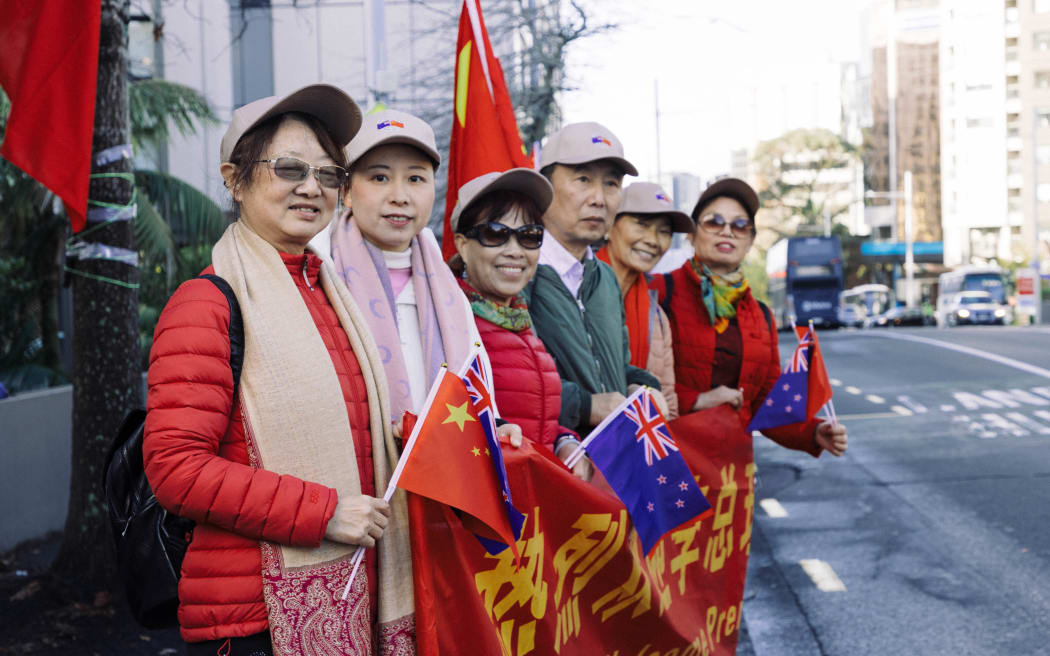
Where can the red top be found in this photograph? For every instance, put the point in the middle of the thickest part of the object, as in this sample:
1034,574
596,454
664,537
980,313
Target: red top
526,383
197,460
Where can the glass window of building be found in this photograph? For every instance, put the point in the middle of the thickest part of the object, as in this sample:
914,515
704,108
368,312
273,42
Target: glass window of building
1041,6
1042,79
1041,41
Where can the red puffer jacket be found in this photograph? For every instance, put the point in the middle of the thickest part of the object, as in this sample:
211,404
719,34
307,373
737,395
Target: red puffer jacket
694,349
526,383
197,459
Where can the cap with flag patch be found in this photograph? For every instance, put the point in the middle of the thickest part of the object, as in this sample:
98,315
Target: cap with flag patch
649,199
582,143
390,126
525,181
338,111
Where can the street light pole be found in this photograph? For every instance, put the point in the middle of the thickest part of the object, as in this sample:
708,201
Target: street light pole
909,243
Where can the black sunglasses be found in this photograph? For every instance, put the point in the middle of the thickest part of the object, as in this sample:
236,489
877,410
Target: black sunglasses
714,223
492,234
296,170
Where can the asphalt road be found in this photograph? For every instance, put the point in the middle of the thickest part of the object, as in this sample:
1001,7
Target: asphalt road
932,534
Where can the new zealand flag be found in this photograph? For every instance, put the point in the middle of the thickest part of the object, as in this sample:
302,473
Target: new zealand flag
637,454
480,391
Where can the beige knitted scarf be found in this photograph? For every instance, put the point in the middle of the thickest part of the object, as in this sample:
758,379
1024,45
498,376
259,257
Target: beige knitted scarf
296,424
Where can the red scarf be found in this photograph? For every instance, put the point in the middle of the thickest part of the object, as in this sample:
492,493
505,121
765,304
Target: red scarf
636,306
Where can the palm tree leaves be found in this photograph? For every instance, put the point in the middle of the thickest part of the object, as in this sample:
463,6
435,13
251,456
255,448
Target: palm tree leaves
156,105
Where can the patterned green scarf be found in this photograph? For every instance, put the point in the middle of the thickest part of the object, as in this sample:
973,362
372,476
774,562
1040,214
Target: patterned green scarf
514,317
720,293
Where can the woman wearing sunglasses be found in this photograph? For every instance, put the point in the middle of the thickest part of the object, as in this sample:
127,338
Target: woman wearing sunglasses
281,469
726,362
496,222
641,234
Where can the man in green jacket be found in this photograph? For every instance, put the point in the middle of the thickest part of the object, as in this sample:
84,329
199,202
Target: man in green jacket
574,299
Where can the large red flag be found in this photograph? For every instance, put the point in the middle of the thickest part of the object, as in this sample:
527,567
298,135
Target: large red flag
819,390
447,459
485,135
49,69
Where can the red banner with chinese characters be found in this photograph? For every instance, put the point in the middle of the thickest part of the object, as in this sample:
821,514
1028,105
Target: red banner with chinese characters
584,586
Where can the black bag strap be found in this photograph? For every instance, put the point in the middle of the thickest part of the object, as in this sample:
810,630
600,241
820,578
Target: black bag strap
668,288
236,327
769,315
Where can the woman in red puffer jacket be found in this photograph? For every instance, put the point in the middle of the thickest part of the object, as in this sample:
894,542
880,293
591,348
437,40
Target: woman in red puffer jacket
498,233
280,475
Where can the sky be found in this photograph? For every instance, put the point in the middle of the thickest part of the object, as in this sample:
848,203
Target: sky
729,73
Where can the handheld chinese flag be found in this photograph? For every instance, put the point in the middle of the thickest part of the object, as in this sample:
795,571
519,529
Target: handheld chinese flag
448,458
800,391
635,451
49,70
485,134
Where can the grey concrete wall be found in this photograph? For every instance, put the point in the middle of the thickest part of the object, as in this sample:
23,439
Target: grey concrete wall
35,439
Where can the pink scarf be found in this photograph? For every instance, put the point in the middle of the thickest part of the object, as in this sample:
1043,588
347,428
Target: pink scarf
444,317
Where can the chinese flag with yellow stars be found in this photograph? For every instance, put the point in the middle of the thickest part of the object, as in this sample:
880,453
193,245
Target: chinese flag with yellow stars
447,459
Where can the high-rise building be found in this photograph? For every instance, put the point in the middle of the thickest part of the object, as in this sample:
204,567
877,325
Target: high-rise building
908,30
975,219
1027,46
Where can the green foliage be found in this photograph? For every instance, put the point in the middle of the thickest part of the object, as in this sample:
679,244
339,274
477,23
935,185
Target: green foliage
22,357
175,227
754,269
789,169
156,105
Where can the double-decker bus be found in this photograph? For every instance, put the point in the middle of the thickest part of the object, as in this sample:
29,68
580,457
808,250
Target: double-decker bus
805,280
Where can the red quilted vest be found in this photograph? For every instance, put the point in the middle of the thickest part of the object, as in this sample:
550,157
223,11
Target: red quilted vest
694,341
527,384
197,460
694,349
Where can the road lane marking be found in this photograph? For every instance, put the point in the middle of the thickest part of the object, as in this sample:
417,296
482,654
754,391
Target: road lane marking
822,575
975,427
902,411
1029,398
947,408
869,415
1028,422
911,404
999,422
835,381
1000,396
875,398
773,507
1009,362
972,401
853,390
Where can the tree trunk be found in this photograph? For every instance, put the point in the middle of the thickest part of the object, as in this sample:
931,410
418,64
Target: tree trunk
106,374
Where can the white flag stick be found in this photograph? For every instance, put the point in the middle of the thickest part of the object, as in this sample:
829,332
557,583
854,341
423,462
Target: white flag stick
396,476
359,556
579,453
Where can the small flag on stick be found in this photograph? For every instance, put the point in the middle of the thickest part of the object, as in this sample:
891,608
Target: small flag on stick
635,451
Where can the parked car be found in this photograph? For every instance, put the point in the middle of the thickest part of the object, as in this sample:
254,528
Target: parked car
975,308
898,316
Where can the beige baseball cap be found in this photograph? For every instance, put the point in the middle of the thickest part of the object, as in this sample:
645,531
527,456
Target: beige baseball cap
393,127
580,143
649,198
525,181
338,111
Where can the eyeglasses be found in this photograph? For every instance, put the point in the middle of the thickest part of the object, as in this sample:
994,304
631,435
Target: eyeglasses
296,170
492,234
713,223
